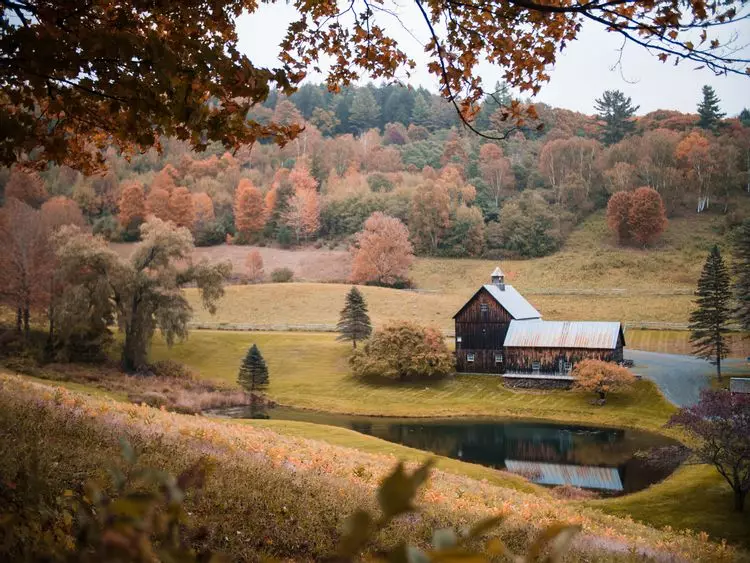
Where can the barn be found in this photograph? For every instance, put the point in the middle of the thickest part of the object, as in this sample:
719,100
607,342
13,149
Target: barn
498,331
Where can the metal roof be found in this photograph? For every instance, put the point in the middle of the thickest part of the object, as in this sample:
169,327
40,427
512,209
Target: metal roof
513,302
739,385
563,334
584,476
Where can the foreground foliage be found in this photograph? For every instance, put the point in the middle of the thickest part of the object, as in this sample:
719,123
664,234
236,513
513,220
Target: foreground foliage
302,488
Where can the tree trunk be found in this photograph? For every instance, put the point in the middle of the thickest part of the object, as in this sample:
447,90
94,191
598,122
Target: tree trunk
602,396
718,365
26,316
739,499
354,343
19,320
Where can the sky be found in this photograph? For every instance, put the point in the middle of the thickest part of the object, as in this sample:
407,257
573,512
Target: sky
582,72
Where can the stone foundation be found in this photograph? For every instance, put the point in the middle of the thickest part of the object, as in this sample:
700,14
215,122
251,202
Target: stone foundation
537,382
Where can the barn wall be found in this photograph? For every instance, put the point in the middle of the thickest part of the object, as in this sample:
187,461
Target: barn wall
484,361
520,359
482,333
472,311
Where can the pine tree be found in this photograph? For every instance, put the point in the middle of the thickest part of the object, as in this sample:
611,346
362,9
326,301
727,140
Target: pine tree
741,257
365,111
616,110
708,109
745,117
253,371
420,113
354,323
708,322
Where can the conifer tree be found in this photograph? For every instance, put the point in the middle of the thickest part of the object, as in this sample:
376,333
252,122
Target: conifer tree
616,110
708,322
354,323
253,371
708,109
741,257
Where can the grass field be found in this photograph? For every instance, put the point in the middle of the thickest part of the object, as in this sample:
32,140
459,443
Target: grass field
310,370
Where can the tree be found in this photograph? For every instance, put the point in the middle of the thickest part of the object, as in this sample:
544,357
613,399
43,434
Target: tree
254,266
602,377
496,171
149,72
429,215
741,256
617,111
132,205
694,152
745,117
204,208
249,210
719,426
709,320
647,217
26,186
253,371
59,211
181,208
404,351
25,261
382,252
144,292
354,322
365,111
303,213
157,204
618,215
709,110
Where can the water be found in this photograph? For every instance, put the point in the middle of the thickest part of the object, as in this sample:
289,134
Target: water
601,459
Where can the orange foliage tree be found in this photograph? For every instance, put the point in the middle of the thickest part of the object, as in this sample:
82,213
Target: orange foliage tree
60,211
618,215
301,178
254,266
157,204
204,208
602,377
429,215
132,204
382,252
496,171
647,217
249,210
694,153
26,186
303,213
181,208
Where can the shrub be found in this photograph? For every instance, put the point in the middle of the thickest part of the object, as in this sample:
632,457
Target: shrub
284,236
254,266
282,275
602,377
404,351
379,183
209,233
172,369
107,226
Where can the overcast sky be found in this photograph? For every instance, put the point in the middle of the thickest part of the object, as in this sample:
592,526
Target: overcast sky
582,72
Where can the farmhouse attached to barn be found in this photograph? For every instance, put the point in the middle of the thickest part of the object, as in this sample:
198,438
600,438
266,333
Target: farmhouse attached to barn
499,332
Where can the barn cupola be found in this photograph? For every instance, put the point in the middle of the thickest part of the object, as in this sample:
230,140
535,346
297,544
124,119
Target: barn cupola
498,279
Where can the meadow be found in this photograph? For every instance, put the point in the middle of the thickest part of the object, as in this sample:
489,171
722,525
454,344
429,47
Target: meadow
282,496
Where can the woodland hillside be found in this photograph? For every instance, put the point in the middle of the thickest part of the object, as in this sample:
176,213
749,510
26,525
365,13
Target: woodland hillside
404,152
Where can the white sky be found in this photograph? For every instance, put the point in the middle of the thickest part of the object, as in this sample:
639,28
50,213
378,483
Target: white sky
582,72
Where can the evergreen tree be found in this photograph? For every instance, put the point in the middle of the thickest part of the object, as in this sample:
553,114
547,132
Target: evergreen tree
253,371
741,257
708,322
708,109
491,103
365,111
354,323
420,113
616,110
745,117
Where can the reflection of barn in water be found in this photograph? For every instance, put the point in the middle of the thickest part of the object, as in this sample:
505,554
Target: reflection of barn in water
549,455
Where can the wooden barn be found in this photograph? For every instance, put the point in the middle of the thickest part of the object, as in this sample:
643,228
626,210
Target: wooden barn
498,331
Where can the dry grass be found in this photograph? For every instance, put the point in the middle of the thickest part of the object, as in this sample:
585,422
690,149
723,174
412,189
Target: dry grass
678,342
284,496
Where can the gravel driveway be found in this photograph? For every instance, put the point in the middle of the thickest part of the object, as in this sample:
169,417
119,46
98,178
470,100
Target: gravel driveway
681,378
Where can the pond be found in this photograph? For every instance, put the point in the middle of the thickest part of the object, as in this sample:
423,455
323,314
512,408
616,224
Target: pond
601,459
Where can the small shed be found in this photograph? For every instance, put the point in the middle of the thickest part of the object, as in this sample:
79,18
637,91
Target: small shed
739,386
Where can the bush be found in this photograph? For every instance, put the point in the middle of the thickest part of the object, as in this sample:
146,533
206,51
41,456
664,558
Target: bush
282,275
379,183
404,351
172,369
284,236
209,233
108,227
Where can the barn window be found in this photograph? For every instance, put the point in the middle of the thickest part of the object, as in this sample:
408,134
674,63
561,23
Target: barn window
484,307
458,340
470,357
535,367
498,358
567,366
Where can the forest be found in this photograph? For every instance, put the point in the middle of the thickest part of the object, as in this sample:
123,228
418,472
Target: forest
516,189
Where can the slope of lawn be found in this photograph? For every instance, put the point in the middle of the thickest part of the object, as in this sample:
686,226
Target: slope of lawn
279,495
310,370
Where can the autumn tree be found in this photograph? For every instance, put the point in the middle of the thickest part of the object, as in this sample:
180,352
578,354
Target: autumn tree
144,291
741,259
24,261
132,205
496,171
203,206
59,211
146,72
719,428
602,378
254,266
646,216
404,351
26,186
617,111
709,322
709,109
354,322
253,372
429,215
303,213
382,252
157,204
182,208
695,155
249,210
618,215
